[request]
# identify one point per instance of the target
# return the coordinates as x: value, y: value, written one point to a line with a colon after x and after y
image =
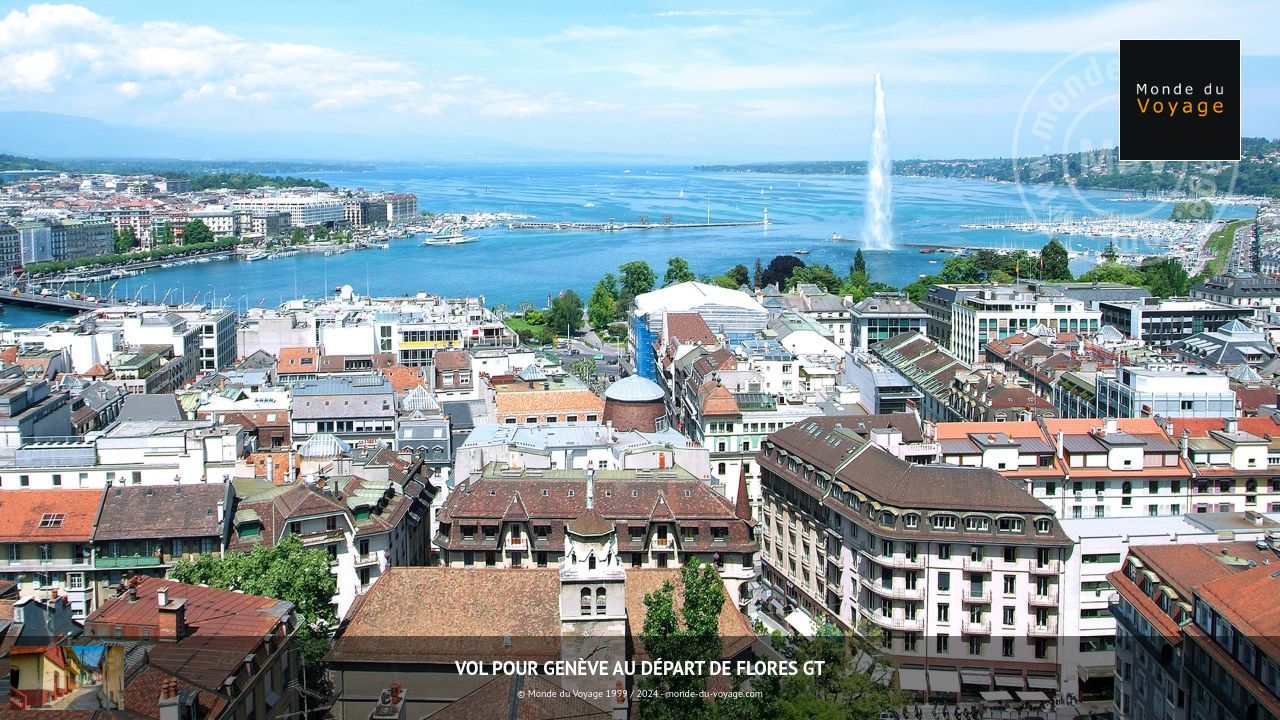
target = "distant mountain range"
x: 52, y: 136
x: 1258, y: 170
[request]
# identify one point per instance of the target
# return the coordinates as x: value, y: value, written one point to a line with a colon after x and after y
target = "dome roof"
x: 634, y: 389
x: 323, y: 445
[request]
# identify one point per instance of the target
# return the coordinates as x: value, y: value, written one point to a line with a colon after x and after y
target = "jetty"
x: 614, y: 226
x: 53, y: 302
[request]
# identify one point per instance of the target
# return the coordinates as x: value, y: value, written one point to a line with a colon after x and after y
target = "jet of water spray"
x: 878, y: 231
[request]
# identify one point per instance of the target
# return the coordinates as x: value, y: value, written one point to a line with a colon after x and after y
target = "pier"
x: 51, y: 302
x: 612, y: 226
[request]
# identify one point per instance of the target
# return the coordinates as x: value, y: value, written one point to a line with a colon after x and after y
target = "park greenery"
x: 1192, y: 210
x: 158, y: 253
x: 855, y: 683
x: 288, y: 571
x: 249, y: 181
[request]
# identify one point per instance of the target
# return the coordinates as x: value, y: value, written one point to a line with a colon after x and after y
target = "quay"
x: 612, y: 226
x: 52, y: 302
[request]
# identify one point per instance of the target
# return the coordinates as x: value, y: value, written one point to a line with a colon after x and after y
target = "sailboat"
x: 681, y: 192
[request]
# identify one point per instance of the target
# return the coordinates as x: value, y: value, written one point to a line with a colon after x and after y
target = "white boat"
x: 452, y: 238
x: 255, y: 255
x: 802, y: 252
x: 836, y: 237
x: 589, y: 205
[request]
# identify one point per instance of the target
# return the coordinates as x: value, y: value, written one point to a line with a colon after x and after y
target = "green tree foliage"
x: 637, y: 278
x: 665, y: 637
x: 158, y: 253
x: 584, y: 368
x: 1110, y: 254
x: 565, y: 313
x: 842, y: 690
x: 677, y: 272
x: 757, y: 273
x: 125, y: 241
x: 779, y: 271
x: 859, y: 262
x: 1113, y: 272
x: 1054, y: 261
x: 1193, y: 210
x: 297, y: 236
x: 320, y: 232
x: 249, y: 181
x: 739, y: 274
x: 602, y: 308
x: 821, y: 275
x: 195, y: 232
x: 286, y: 571
x: 1165, y: 277
x: 167, y: 236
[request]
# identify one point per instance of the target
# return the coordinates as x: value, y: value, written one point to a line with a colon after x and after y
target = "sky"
x: 700, y: 81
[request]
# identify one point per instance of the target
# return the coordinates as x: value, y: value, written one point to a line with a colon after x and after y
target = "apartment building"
x: 304, y: 210
x: 997, y: 312
x: 1163, y: 321
x: 813, y: 303
x: 1165, y: 390
x: 1255, y: 291
x: 401, y: 207
x: 882, y: 316
x: 1195, y: 629
x: 352, y: 408
x: 517, y: 517
x: 1235, y: 463
x: 48, y: 543
x: 10, y: 248
x: 957, y: 568
x: 930, y: 368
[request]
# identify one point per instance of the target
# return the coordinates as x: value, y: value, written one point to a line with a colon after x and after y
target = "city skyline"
x: 664, y: 82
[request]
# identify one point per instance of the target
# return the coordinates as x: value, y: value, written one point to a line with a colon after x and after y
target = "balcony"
x: 972, y: 565
x: 893, y: 561
x: 982, y: 627
x: 1052, y: 567
x: 1043, y: 600
x: 324, y: 537
x: 663, y: 544
x: 128, y: 561
x: 63, y: 563
x: 897, y: 623
x: 517, y: 543
x: 368, y: 559
x: 896, y: 593
x: 1048, y: 628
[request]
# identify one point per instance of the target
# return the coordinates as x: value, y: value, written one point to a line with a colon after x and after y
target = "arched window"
x: 586, y: 601
x: 1251, y: 485
x: 600, y: 601
x: 1126, y: 488
x: 591, y: 561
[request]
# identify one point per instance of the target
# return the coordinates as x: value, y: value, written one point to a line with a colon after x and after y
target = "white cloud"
x: 29, y: 71
x: 129, y: 89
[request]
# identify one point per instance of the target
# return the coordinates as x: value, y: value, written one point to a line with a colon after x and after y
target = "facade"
x: 65, y: 239
x: 958, y: 568
x: 1164, y: 390
x: 1195, y: 628
x: 10, y: 248
x: 304, y: 210
x: 882, y: 316
x: 518, y: 517
x: 1260, y: 293
x: 48, y: 543
x: 829, y: 311
x: 30, y: 410
x: 1164, y: 321
x: 352, y: 408
x: 1235, y: 463
x: 997, y: 312
x: 401, y: 207
x: 929, y: 367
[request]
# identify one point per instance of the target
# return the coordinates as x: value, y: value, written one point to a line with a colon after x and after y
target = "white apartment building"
x: 958, y: 569
x: 1165, y: 391
x: 304, y: 210
x: 222, y: 222
x: 997, y: 312
x: 131, y: 453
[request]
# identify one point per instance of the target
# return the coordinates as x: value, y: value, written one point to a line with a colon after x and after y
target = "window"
x: 585, y: 602
x: 24, y: 481
x: 1010, y: 554
x: 1006, y: 646
x: 941, y: 646
x: 944, y: 581
x: 51, y: 520
x: 944, y: 613
x: 1011, y: 525
x: 944, y: 551
x: 57, y: 480
x: 1008, y: 617
x: 1010, y: 584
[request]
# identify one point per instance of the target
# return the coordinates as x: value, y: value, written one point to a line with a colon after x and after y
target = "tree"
x: 637, y: 278
x: 125, y: 241
x: 297, y: 236
x: 697, y: 638
x: 285, y: 571
x: 523, y: 308
x: 757, y: 274
x: 196, y: 232
x: 739, y: 275
x: 821, y: 275
x: 677, y: 272
x: 779, y: 271
x: 1110, y: 254
x: 602, y: 308
x: 584, y: 368
x: 859, y: 262
x: 501, y: 310
x: 854, y: 682
x: 1113, y: 272
x: 565, y: 313
x: 321, y: 232
x: 1054, y: 261
x: 1165, y: 277
x: 166, y: 235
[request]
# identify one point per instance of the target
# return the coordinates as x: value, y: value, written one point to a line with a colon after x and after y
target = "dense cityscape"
x: 551, y: 363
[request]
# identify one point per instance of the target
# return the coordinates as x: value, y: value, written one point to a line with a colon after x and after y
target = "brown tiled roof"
x: 160, y: 512
x: 452, y: 360
x: 98, y: 371
x: 142, y: 691
x: 717, y: 400
x: 549, y: 402
x: 589, y: 524
x: 1200, y: 427
x: 1248, y: 600
x: 23, y: 512
x: 1183, y: 566
x: 297, y: 360
x: 520, y: 697
x: 688, y: 328
x: 402, y: 378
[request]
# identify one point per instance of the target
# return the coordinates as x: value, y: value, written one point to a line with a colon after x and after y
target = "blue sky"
x: 688, y: 80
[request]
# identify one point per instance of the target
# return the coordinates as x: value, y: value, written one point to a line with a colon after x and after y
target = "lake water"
x: 515, y: 265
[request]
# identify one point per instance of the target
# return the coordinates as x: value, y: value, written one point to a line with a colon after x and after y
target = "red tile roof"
x: 60, y: 515
x: 452, y: 360
x: 298, y: 360
x: 684, y: 328
x: 1200, y: 427
x: 403, y: 378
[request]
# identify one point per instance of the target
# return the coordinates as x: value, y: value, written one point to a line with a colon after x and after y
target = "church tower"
x: 593, y: 605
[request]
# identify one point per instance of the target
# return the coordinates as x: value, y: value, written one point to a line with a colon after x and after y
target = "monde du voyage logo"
x: 1180, y: 100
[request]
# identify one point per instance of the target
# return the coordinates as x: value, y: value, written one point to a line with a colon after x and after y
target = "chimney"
x: 1110, y: 426
x: 170, y: 705
x: 1185, y: 443
x: 133, y: 595
x: 162, y: 595
x: 173, y: 620
x: 391, y: 704
x: 1058, y: 450
x: 591, y: 486
x: 1232, y: 424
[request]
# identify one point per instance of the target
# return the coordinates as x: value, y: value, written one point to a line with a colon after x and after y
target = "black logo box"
x: 1180, y: 65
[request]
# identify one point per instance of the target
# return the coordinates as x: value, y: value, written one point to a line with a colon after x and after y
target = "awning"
x: 801, y: 623
x: 911, y: 679
x: 1009, y: 681
x: 1033, y: 696
x: 1095, y: 671
x: 944, y: 681
x: 1044, y: 683
x: 996, y: 696
x: 976, y: 677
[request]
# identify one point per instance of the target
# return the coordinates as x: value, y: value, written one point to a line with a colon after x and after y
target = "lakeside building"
x: 958, y: 568
x: 64, y: 238
x: 304, y: 210
x: 134, y: 216
x: 1232, y: 345
x: 1196, y: 631
x: 882, y: 316
x: 401, y: 207
x: 1255, y: 291
x: 10, y: 248
x: 1164, y: 321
